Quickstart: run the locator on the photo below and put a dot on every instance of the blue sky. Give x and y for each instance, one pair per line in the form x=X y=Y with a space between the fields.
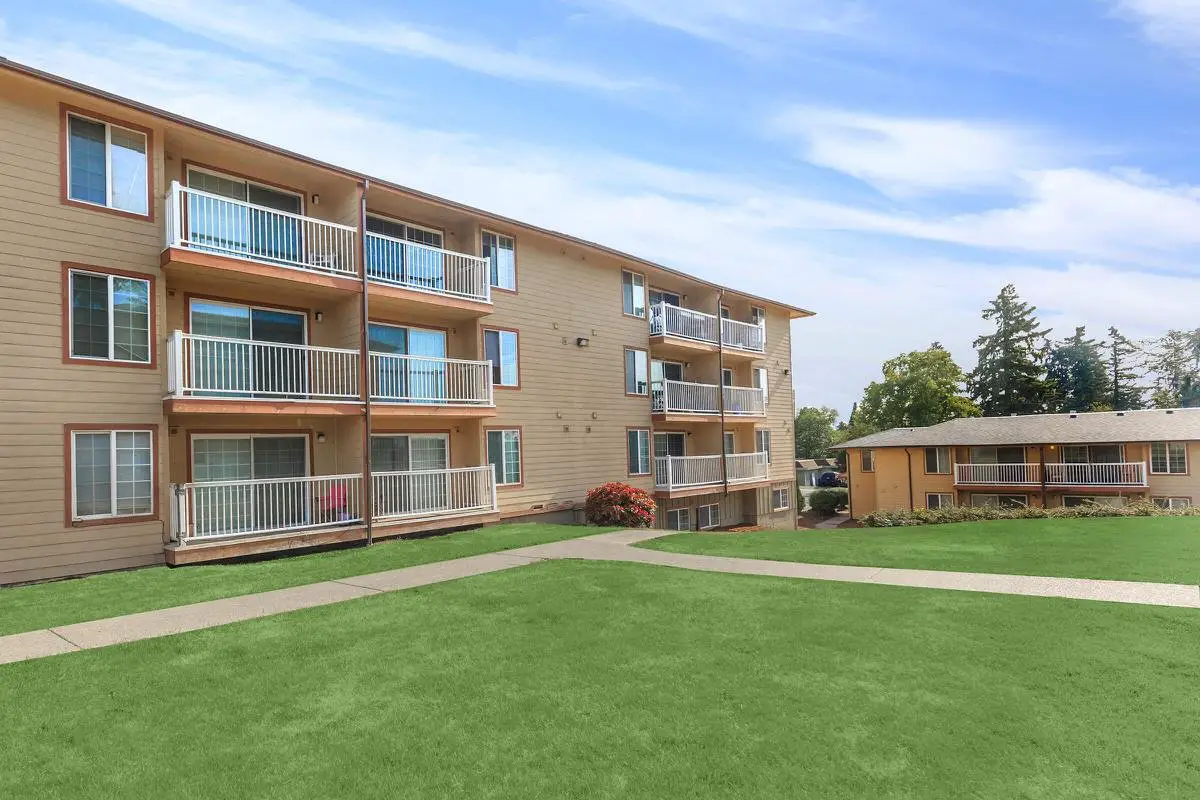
x=889 y=164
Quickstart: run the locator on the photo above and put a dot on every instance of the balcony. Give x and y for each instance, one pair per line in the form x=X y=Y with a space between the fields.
x=1128 y=474
x=684 y=329
x=209 y=374
x=702 y=400
x=233 y=510
x=411 y=273
x=687 y=474
x=208 y=232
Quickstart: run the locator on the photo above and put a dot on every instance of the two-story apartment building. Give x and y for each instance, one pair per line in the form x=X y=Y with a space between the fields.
x=1043 y=460
x=212 y=348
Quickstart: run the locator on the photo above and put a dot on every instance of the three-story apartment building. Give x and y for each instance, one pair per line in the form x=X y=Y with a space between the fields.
x=215 y=348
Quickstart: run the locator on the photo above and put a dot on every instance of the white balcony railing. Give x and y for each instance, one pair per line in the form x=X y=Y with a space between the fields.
x=669 y=320
x=214 y=367
x=427 y=269
x=685 y=472
x=1123 y=474
x=434 y=493
x=260 y=507
x=743 y=335
x=430 y=381
x=681 y=397
x=209 y=223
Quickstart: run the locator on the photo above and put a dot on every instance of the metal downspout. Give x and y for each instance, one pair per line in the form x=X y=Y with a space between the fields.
x=908 y=458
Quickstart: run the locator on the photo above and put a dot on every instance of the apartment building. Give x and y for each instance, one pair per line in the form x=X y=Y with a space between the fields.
x=214 y=348
x=1046 y=460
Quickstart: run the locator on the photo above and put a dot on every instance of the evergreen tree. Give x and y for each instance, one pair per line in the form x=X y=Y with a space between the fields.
x=1011 y=376
x=1079 y=374
x=1123 y=360
x=1175 y=361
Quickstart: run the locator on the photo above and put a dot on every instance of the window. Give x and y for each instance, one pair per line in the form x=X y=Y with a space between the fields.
x=679 y=519
x=1173 y=503
x=504 y=454
x=997 y=455
x=109 y=317
x=501 y=252
x=937 y=460
x=500 y=347
x=637 y=446
x=633 y=293
x=781 y=498
x=637 y=371
x=934 y=501
x=1074 y=501
x=762 y=443
x=112 y=474
x=725 y=312
x=409 y=452
x=658 y=296
x=867 y=460
x=404 y=231
x=730 y=443
x=1168 y=458
x=669 y=444
x=107 y=165
x=1093 y=454
x=761 y=382
x=999 y=501
x=758 y=316
x=727 y=377
x=708 y=517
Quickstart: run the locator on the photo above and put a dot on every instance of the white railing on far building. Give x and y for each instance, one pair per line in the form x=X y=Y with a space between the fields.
x=430 y=381
x=686 y=472
x=427 y=269
x=682 y=397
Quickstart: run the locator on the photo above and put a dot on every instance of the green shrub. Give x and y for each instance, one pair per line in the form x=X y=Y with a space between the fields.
x=799 y=502
x=921 y=516
x=828 y=501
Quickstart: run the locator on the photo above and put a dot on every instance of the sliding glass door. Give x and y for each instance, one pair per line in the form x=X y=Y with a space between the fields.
x=417 y=485
x=419 y=377
x=242 y=229
x=249 y=507
x=240 y=368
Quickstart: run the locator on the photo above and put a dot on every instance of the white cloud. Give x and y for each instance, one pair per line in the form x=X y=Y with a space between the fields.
x=1171 y=22
x=912 y=155
x=744 y=25
x=283 y=29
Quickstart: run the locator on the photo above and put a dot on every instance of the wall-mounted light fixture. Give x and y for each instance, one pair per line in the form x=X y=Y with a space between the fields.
x=787 y=372
x=320 y=438
x=583 y=341
x=316 y=199
x=319 y=316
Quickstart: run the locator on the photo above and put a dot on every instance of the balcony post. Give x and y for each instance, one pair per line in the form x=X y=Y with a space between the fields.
x=721 y=393
x=1042 y=470
x=364 y=371
x=175 y=358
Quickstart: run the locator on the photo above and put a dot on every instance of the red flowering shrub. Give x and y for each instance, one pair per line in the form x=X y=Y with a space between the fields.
x=619 y=504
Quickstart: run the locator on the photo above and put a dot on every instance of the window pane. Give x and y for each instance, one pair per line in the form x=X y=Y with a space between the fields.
x=491 y=352
x=89 y=315
x=93 y=474
x=637 y=372
x=504 y=454
x=1158 y=457
x=638 y=452
x=87 y=179
x=501 y=252
x=508 y=358
x=135 y=479
x=129 y=171
x=131 y=320
x=1177 y=457
x=389 y=453
x=633 y=294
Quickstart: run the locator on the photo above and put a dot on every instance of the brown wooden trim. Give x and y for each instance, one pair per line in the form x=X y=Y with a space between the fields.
x=266 y=407
x=516 y=266
x=645 y=295
x=382 y=409
x=69 y=473
x=65 y=110
x=238 y=268
x=234 y=433
x=650 y=445
x=67 y=358
x=625 y=373
x=483 y=351
x=520 y=429
x=184 y=164
x=410 y=432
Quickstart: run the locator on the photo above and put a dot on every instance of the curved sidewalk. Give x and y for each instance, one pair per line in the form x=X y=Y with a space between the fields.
x=601 y=547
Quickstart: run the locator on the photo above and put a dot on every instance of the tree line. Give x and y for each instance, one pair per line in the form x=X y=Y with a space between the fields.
x=1020 y=369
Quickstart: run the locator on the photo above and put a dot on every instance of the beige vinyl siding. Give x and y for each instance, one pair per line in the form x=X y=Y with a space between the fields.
x=39 y=393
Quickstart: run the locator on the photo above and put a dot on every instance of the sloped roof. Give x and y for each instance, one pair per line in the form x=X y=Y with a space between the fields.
x=1177 y=424
x=815 y=463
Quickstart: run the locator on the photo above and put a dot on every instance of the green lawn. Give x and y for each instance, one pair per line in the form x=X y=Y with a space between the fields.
x=1158 y=549
x=26 y=608
x=603 y=680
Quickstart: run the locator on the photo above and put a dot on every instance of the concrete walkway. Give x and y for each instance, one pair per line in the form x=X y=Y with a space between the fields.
x=601 y=547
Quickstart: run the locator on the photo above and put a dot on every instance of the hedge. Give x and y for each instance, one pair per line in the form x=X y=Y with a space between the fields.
x=828 y=501
x=940 y=516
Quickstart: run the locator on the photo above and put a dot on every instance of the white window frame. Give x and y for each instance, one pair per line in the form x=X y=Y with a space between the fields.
x=1024 y=503
x=758 y=316
x=499 y=278
x=683 y=519
x=216 y=173
x=252 y=307
x=941 y=469
x=501 y=335
x=1173 y=503
x=945 y=500
x=504 y=442
x=108 y=174
x=761 y=381
x=112 y=339
x=666 y=442
x=411 y=435
x=634 y=278
x=762 y=442
x=644 y=438
x=112 y=474
x=1167 y=455
x=644 y=389
x=729 y=443
x=713 y=510
x=727 y=376
x=785 y=493
x=406 y=223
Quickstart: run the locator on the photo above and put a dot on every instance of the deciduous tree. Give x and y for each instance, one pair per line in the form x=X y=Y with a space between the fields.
x=920 y=388
x=815 y=431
